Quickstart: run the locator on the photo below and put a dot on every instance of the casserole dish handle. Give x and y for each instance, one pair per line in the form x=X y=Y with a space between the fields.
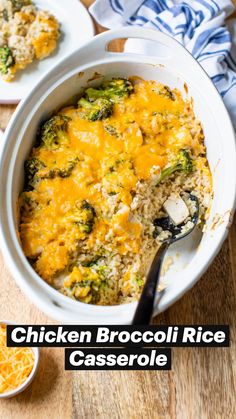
x=163 y=42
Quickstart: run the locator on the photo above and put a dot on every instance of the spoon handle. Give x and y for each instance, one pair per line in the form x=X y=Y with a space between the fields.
x=144 y=310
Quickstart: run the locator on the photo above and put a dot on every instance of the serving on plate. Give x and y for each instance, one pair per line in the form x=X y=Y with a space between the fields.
x=174 y=68
x=34 y=37
x=26 y=34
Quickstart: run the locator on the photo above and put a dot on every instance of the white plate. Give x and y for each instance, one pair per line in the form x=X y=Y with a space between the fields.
x=76 y=27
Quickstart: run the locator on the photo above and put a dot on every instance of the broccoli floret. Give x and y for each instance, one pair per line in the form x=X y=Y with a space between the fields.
x=54 y=132
x=32 y=166
x=168 y=92
x=138 y=279
x=66 y=171
x=183 y=163
x=84 y=217
x=113 y=90
x=99 y=109
x=90 y=263
x=4 y=15
x=6 y=59
x=118 y=87
x=111 y=130
x=98 y=103
x=28 y=203
x=18 y=4
x=117 y=164
x=85 y=282
x=63 y=172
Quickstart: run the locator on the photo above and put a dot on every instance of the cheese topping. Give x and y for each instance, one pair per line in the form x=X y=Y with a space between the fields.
x=16 y=364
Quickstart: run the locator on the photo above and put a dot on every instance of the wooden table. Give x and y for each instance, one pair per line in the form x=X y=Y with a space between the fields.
x=202 y=382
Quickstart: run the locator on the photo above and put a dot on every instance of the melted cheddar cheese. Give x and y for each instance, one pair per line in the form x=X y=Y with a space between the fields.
x=112 y=158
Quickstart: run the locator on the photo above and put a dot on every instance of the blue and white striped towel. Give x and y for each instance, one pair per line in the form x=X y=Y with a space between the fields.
x=200 y=25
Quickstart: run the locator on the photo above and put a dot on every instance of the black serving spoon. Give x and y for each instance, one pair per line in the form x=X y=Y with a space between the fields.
x=143 y=314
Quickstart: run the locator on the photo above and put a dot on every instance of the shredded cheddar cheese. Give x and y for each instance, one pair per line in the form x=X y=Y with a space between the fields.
x=16 y=364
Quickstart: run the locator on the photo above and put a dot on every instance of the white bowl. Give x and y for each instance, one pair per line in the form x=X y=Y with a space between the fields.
x=175 y=67
x=30 y=378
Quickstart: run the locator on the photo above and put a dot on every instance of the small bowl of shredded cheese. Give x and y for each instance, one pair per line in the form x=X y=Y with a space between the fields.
x=18 y=365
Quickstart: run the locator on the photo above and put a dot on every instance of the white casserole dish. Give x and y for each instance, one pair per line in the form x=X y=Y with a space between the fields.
x=173 y=66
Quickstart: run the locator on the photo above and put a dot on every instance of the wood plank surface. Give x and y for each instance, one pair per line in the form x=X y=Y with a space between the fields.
x=201 y=385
